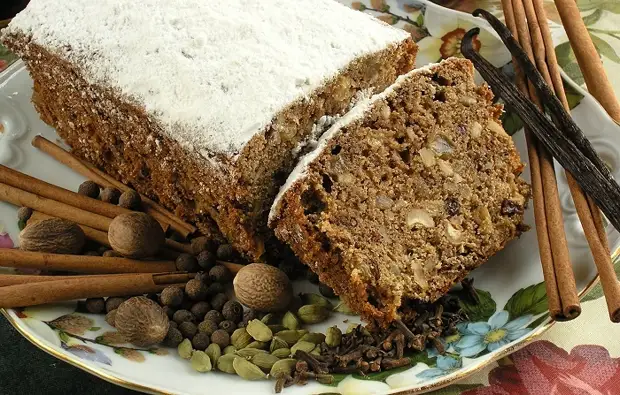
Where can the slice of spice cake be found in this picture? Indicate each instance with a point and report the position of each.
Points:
(202, 105)
(406, 193)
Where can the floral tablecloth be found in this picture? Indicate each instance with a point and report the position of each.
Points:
(577, 357)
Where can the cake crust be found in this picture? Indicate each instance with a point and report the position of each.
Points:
(407, 193)
(212, 172)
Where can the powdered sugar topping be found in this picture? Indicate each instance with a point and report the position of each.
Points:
(213, 73)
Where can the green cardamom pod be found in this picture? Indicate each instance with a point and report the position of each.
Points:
(313, 313)
(333, 336)
(201, 362)
(303, 346)
(185, 349)
(264, 361)
(352, 327)
(249, 352)
(316, 299)
(214, 352)
(259, 331)
(282, 352)
(290, 321)
(225, 363)
(344, 308)
(325, 378)
(291, 337)
(267, 318)
(229, 350)
(316, 351)
(247, 370)
(277, 342)
(257, 344)
(313, 337)
(276, 328)
(283, 367)
(240, 338)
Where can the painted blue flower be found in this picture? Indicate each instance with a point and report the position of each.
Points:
(88, 353)
(449, 342)
(445, 364)
(491, 335)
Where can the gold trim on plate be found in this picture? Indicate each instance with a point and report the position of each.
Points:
(75, 361)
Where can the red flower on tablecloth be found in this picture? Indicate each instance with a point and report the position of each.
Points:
(3, 64)
(544, 368)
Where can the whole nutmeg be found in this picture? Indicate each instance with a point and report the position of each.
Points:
(136, 235)
(54, 235)
(110, 318)
(141, 321)
(263, 287)
(110, 195)
(130, 199)
(90, 189)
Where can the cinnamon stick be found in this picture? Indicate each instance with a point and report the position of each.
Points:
(14, 279)
(32, 294)
(92, 234)
(81, 263)
(589, 214)
(20, 197)
(233, 267)
(587, 57)
(41, 188)
(100, 178)
(555, 258)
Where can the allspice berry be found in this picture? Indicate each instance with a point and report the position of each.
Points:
(136, 235)
(327, 291)
(141, 321)
(24, 214)
(200, 309)
(112, 303)
(171, 296)
(225, 252)
(181, 316)
(200, 244)
(204, 278)
(111, 254)
(201, 341)
(218, 301)
(263, 287)
(90, 189)
(110, 195)
(215, 288)
(206, 259)
(186, 263)
(196, 290)
(220, 274)
(130, 199)
(169, 311)
(221, 338)
(173, 337)
(95, 305)
(228, 326)
(214, 316)
(188, 329)
(233, 311)
(208, 327)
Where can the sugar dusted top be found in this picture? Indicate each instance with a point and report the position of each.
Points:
(214, 73)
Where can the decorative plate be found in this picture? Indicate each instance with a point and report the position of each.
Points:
(513, 308)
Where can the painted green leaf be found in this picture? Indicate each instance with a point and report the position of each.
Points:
(572, 95)
(605, 49)
(94, 328)
(64, 337)
(593, 17)
(477, 311)
(21, 224)
(597, 291)
(530, 300)
(565, 54)
(456, 389)
(416, 357)
(420, 19)
(512, 123)
(608, 5)
(574, 73)
(538, 321)
(381, 376)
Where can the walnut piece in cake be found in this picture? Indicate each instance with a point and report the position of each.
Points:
(406, 193)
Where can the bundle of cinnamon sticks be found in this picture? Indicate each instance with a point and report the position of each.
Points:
(105, 276)
(528, 23)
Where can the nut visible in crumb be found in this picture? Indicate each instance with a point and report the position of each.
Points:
(383, 202)
(454, 235)
(428, 157)
(419, 217)
(467, 101)
(385, 112)
(445, 167)
(496, 127)
(476, 130)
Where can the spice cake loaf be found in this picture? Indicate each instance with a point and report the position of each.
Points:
(202, 105)
(406, 193)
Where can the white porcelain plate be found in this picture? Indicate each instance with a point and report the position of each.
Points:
(513, 308)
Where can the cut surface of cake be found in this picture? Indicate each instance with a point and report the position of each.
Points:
(406, 193)
(202, 105)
